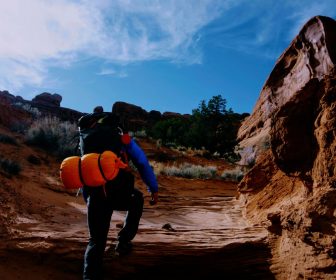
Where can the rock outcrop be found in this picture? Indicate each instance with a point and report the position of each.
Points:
(135, 118)
(291, 189)
(311, 55)
(48, 99)
(17, 111)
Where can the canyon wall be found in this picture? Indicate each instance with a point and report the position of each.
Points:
(291, 139)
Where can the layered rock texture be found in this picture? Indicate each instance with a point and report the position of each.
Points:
(291, 134)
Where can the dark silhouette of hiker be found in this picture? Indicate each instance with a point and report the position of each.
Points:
(118, 194)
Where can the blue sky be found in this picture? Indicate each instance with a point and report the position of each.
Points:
(164, 55)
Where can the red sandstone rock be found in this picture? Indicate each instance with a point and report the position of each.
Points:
(292, 187)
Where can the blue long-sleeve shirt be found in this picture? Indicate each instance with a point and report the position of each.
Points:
(140, 161)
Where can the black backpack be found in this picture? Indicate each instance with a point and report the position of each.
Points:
(99, 132)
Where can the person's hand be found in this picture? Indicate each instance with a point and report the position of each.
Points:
(155, 198)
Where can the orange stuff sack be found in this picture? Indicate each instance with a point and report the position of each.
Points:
(93, 170)
(69, 173)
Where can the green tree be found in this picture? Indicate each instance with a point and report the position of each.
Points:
(215, 127)
(211, 126)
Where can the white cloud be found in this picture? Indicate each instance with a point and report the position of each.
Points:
(264, 28)
(300, 16)
(113, 72)
(152, 29)
(38, 34)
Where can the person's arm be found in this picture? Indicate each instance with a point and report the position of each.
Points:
(140, 160)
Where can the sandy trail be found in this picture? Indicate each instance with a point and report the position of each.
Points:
(206, 235)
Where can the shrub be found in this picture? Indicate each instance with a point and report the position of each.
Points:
(8, 139)
(235, 175)
(186, 170)
(10, 167)
(30, 109)
(49, 133)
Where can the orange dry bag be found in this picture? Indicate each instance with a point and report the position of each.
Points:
(92, 170)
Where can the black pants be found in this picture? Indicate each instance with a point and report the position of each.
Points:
(120, 195)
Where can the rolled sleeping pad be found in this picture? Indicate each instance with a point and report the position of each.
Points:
(69, 173)
(92, 169)
(110, 165)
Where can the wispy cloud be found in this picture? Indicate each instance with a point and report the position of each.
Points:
(300, 16)
(38, 34)
(265, 28)
(112, 72)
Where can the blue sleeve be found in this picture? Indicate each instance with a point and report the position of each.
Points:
(140, 161)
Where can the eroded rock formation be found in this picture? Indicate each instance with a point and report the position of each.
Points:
(292, 134)
(15, 110)
(48, 99)
(135, 118)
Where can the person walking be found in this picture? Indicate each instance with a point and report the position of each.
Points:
(99, 132)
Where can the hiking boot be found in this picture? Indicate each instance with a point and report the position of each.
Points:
(123, 248)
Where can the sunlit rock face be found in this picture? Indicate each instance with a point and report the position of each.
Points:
(291, 135)
(310, 56)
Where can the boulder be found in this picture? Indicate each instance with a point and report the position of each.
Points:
(48, 99)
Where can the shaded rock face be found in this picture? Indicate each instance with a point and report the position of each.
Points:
(292, 138)
(292, 187)
(17, 111)
(48, 99)
(135, 118)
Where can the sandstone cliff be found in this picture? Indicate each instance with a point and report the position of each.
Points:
(292, 187)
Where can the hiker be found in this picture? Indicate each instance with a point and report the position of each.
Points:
(118, 194)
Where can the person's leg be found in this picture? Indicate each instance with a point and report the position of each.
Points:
(99, 217)
(127, 198)
(133, 216)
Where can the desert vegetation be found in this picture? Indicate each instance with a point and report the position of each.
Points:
(235, 174)
(211, 126)
(185, 170)
(53, 135)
